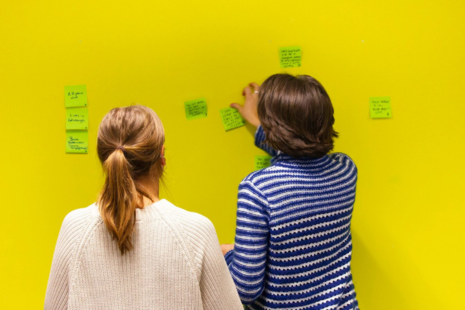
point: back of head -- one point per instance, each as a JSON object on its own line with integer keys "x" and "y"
{"x": 296, "y": 115}
{"x": 129, "y": 146}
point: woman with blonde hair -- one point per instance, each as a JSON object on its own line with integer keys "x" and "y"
{"x": 131, "y": 250}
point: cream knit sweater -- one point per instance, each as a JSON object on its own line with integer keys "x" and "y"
{"x": 176, "y": 263}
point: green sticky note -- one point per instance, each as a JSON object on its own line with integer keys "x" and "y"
{"x": 262, "y": 161}
{"x": 380, "y": 107}
{"x": 290, "y": 57}
{"x": 77, "y": 142}
{"x": 77, "y": 119}
{"x": 231, "y": 118}
{"x": 196, "y": 109}
{"x": 75, "y": 96}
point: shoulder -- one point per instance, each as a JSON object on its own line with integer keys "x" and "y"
{"x": 343, "y": 159}
{"x": 259, "y": 176}
{"x": 77, "y": 219}
{"x": 189, "y": 221}
{"x": 256, "y": 182}
{"x": 73, "y": 228}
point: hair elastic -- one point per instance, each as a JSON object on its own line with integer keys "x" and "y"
{"x": 121, "y": 148}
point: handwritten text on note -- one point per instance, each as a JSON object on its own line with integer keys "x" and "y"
{"x": 75, "y": 96}
{"x": 196, "y": 109}
{"x": 380, "y": 107}
{"x": 231, "y": 118}
{"x": 290, "y": 57}
{"x": 77, "y": 142}
{"x": 77, "y": 119}
{"x": 262, "y": 161}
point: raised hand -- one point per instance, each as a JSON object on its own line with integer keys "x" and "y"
{"x": 249, "y": 109}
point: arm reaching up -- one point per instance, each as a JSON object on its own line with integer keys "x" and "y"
{"x": 250, "y": 113}
{"x": 249, "y": 109}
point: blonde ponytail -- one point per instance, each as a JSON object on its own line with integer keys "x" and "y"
{"x": 141, "y": 132}
{"x": 118, "y": 200}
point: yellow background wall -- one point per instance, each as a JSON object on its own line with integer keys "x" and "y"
{"x": 408, "y": 223}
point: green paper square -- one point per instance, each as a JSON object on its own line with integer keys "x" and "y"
{"x": 231, "y": 118}
{"x": 290, "y": 57}
{"x": 196, "y": 109}
{"x": 262, "y": 161}
{"x": 77, "y": 142}
{"x": 77, "y": 119}
{"x": 75, "y": 96}
{"x": 380, "y": 107}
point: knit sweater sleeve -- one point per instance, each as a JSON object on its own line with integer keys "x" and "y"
{"x": 56, "y": 297}
{"x": 259, "y": 142}
{"x": 247, "y": 262}
{"x": 216, "y": 286}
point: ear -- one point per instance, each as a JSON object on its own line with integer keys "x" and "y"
{"x": 162, "y": 156}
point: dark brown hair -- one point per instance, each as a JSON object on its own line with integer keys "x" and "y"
{"x": 129, "y": 145}
{"x": 296, "y": 115}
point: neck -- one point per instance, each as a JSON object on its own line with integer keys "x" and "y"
{"x": 150, "y": 185}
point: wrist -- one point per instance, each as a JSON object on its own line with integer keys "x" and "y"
{"x": 255, "y": 122}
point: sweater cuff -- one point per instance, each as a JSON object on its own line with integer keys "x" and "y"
{"x": 229, "y": 257}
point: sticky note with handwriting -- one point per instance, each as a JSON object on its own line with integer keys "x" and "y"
{"x": 380, "y": 107}
{"x": 290, "y": 57}
{"x": 75, "y": 96}
{"x": 262, "y": 161}
{"x": 196, "y": 109}
{"x": 231, "y": 118}
{"x": 77, "y": 119}
{"x": 77, "y": 142}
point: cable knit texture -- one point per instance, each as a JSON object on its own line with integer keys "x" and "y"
{"x": 176, "y": 263}
{"x": 293, "y": 243}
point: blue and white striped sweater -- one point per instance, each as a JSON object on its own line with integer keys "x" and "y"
{"x": 293, "y": 244}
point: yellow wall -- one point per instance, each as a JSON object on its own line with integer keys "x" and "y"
{"x": 408, "y": 221}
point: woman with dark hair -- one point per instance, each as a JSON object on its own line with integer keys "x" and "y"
{"x": 131, "y": 250}
{"x": 293, "y": 244}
